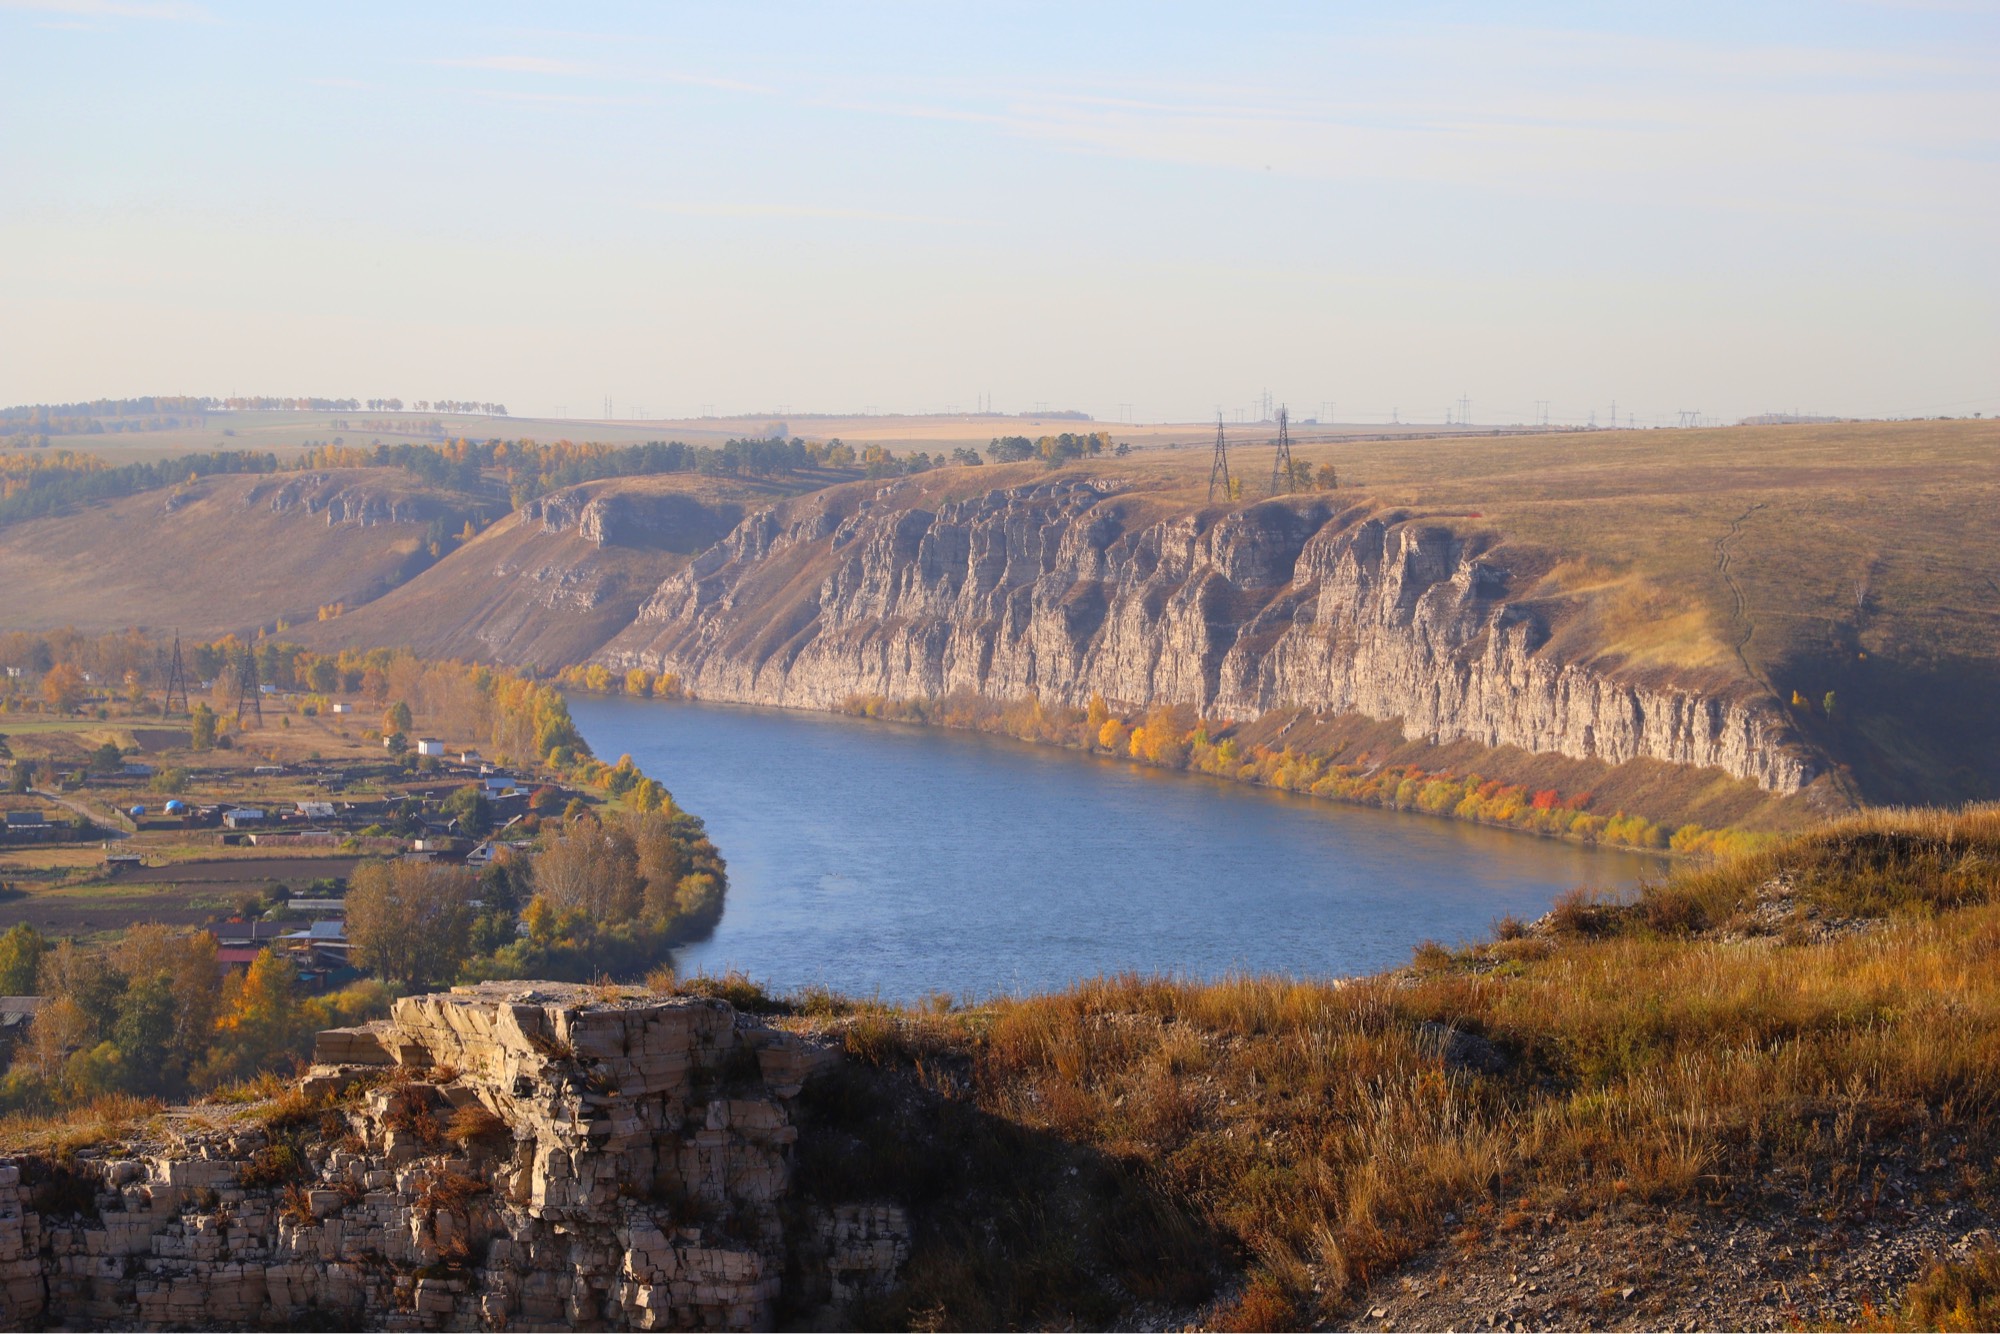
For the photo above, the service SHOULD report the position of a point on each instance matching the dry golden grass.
(222, 561)
(474, 603)
(1644, 1056)
(113, 1116)
(1955, 1297)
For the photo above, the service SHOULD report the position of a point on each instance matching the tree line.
(1052, 449)
(1176, 737)
(35, 484)
(29, 489)
(152, 1014)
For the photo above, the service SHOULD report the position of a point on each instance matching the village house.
(16, 1013)
(29, 827)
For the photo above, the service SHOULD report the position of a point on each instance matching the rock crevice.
(521, 1155)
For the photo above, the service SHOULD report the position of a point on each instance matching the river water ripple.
(898, 861)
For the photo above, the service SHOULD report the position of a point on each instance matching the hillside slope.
(229, 553)
(551, 583)
(1782, 605)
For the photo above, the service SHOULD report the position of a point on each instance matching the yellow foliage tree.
(62, 687)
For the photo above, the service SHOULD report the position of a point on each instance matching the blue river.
(890, 860)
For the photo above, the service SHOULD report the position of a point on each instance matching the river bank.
(1641, 805)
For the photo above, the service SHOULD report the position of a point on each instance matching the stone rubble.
(508, 1155)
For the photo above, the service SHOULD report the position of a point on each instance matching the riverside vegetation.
(1571, 1125)
(1176, 737)
(600, 875)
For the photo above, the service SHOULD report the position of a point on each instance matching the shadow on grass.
(1012, 1228)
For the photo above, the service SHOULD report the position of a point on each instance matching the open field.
(189, 876)
(231, 553)
(100, 910)
(287, 433)
(87, 902)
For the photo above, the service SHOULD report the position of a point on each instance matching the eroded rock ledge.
(1065, 589)
(507, 1156)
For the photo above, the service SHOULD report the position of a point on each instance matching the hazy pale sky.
(1146, 208)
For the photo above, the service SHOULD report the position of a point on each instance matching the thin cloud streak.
(1577, 112)
(815, 211)
(559, 99)
(570, 69)
(518, 65)
(169, 11)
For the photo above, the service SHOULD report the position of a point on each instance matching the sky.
(1143, 211)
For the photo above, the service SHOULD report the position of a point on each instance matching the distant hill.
(230, 553)
(551, 583)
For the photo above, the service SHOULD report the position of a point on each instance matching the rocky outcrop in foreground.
(1067, 589)
(519, 1155)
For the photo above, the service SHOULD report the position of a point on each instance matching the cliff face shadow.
(673, 523)
(1908, 732)
(1011, 1228)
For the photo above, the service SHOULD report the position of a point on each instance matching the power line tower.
(1218, 470)
(1464, 410)
(1689, 419)
(177, 680)
(249, 698)
(1281, 463)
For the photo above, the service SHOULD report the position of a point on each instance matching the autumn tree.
(1161, 739)
(201, 728)
(591, 868)
(59, 1028)
(396, 719)
(62, 687)
(411, 922)
(261, 1018)
(660, 864)
(471, 809)
(21, 950)
(323, 676)
(181, 966)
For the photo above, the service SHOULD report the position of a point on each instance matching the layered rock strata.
(1064, 589)
(344, 502)
(523, 1156)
